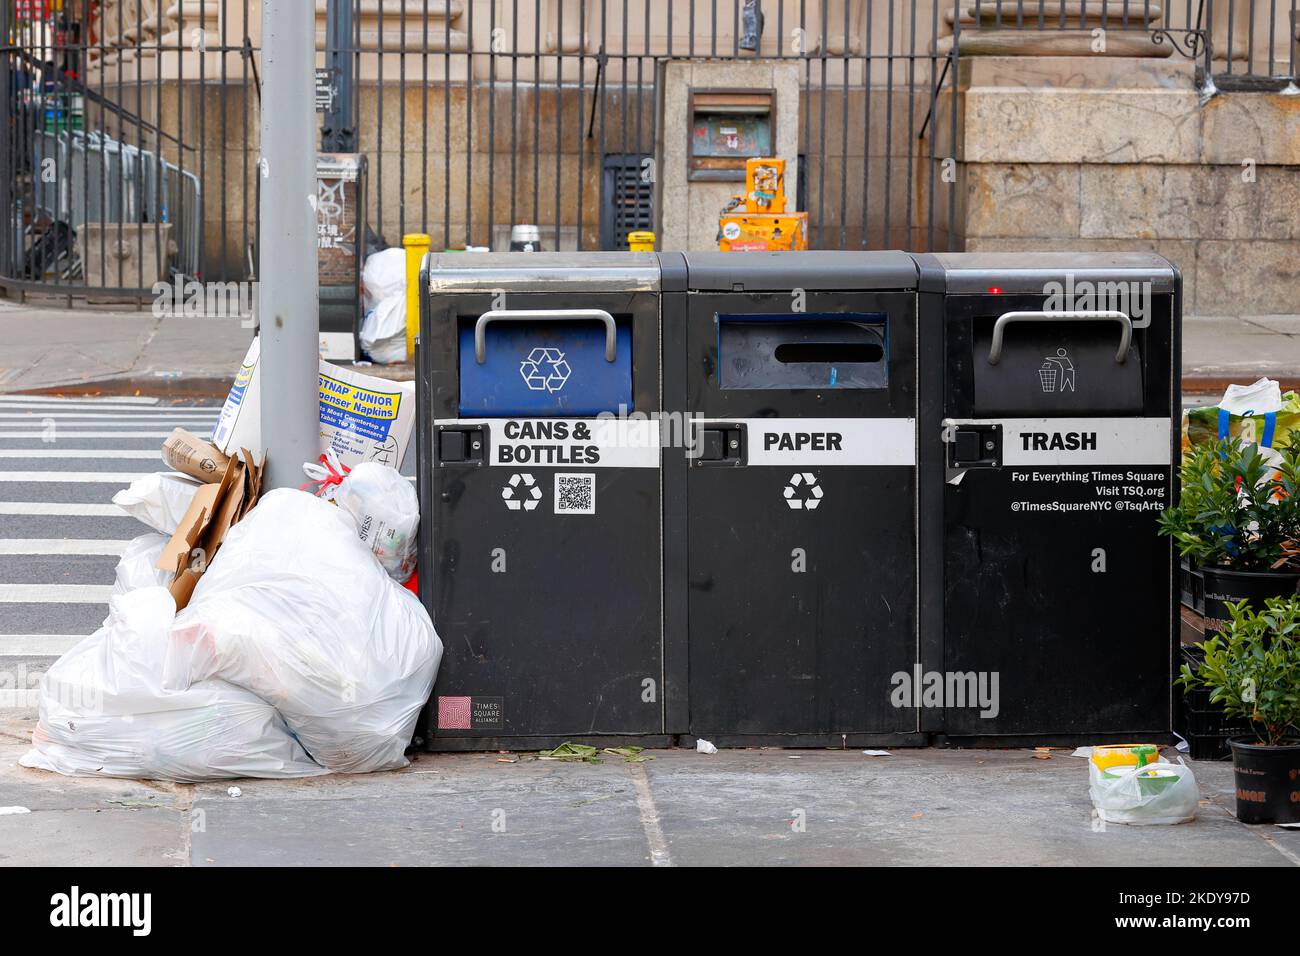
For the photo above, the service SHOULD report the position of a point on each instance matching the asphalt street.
(61, 462)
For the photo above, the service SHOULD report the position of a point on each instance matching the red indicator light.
(995, 289)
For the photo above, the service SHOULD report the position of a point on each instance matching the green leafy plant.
(1252, 668)
(1236, 509)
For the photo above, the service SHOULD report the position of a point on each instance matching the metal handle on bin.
(543, 315)
(999, 328)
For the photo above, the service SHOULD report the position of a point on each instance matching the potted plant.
(1252, 669)
(1238, 517)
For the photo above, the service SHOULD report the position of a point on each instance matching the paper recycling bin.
(538, 386)
(791, 526)
(1057, 409)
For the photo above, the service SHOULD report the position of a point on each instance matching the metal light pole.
(288, 297)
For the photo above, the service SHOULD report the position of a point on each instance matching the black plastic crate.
(1207, 727)
(1191, 585)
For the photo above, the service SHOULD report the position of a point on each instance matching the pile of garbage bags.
(298, 654)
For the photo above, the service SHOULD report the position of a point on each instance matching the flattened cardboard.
(362, 417)
(204, 526)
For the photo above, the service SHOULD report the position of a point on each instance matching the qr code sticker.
(575, 494)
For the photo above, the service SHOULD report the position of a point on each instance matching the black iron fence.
(130, 128)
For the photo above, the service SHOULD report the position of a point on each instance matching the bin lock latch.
(973, 445)
(719, 444)
(462, 445)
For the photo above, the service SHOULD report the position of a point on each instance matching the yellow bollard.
(416, 245)
(641, 241)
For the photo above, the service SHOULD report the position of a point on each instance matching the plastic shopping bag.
(159, 500)
(1157, 793)
(386, 510)
(1258, 414)
(104, 713)
(295, 608)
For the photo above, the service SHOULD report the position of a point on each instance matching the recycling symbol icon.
(545, 370)
(527, 497)
(802, 493)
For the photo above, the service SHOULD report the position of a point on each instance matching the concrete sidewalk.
(917, 807)
(83, 351)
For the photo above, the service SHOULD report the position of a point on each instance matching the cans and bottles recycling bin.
(815, 499)
(539, 462)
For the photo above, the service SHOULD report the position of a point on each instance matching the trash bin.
(1057, 410)
(791, 523)
(538, 384)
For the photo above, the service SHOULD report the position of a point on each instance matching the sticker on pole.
(802, 492)
(521, 492)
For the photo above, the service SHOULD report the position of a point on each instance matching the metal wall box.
(729, 127)
(340, 244)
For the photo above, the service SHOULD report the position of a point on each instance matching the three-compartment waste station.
(818, 499)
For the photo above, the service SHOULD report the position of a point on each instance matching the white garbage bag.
(104, 713)
(383, 331)
(138, 566)
(383, 275)
(1133, 795)
(386, 509)
(296, 609)
(160, 500)
(383, 328)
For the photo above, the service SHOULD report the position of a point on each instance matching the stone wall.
(1062, 154)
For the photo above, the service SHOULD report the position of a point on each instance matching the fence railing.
(1253, 40)
(130, 127)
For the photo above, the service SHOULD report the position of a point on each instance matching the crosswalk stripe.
(88, 453)
(96, 420)
(36, 433)
(55, 593)
(62, 546)
(38, 645)
(74, 509)
(75, 477)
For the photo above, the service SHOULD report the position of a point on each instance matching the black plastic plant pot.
(1268, 781)
(1224, 587)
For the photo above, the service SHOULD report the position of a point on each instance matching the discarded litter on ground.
(103, 711)
(1133, 784)
(296, 609)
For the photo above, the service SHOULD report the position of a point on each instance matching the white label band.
(1080, 441)
(568, 442)
(813, 442)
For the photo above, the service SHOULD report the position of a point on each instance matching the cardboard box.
(764, 232)
(191, 455)
(216, 507)
(363, 418)
(765, 185)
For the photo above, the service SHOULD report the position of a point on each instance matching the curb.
(148, 386)
(1214, 383)
(199, 386)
